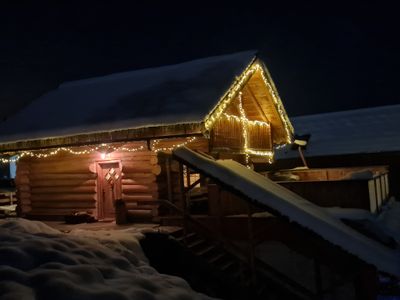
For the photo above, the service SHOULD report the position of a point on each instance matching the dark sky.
(321, 58)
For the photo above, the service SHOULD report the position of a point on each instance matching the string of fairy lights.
(245, 125)
(102, 149)
(233, 91)
(174, 146)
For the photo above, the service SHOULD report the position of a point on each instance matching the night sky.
(319, 60)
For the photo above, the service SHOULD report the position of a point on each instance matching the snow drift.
(38, 262)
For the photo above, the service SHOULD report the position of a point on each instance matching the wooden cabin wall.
(67, 183)
(58, 185)
(139, 182)
(22, 182)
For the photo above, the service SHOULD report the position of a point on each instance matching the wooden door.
(109, 188)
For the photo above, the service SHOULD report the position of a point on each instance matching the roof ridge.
(125, 74)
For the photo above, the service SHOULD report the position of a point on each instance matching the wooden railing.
(7, 198)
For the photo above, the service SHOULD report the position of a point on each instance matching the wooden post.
(251, 244)
(169, 181)
(187, 176)
(302, 157)
(183, 198)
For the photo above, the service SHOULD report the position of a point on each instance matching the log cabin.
(89, 142)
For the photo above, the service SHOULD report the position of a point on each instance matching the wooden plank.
(372, 196)
(257, 105)
(378, 193)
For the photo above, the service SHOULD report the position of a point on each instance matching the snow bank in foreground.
(38, 262)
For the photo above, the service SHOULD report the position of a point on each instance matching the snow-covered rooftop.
(263, 191)
(368, 130)
(176, 94)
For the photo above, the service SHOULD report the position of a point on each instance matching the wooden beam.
(257, 104)
(124, 135)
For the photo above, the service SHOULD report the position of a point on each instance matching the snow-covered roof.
(368, 130)
(261, 190)
(176, 94)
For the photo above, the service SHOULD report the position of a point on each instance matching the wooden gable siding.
(228, 133)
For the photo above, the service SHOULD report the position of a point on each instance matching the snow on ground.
(389, 219)
(39, 262)
(387, 222)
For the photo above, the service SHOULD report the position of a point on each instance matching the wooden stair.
(250, 285)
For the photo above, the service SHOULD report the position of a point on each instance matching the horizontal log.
(22, 195)
(60, 176)
(136, 206)
(24, 200)
(137, 198)
(138, 156)
(57, 211)
(24, 188)
(137, 188)
(21, 179)
(62, 167)
(144, 168)
(140, 213)
(138, 178)
(55, 205)
(62, 190)
(68, 158)
(63, 197)
(62, 182)
(20, 171)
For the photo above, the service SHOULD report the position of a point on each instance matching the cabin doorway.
(108, 188)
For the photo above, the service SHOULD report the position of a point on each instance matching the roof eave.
(122, 135)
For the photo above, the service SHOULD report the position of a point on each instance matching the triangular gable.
(256, 81)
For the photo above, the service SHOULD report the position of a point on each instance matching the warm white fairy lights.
(250, 122)
(236, 88)
(174, 146)
(245, 125)
(103, 148)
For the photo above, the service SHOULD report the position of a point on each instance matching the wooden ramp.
(261, 191)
